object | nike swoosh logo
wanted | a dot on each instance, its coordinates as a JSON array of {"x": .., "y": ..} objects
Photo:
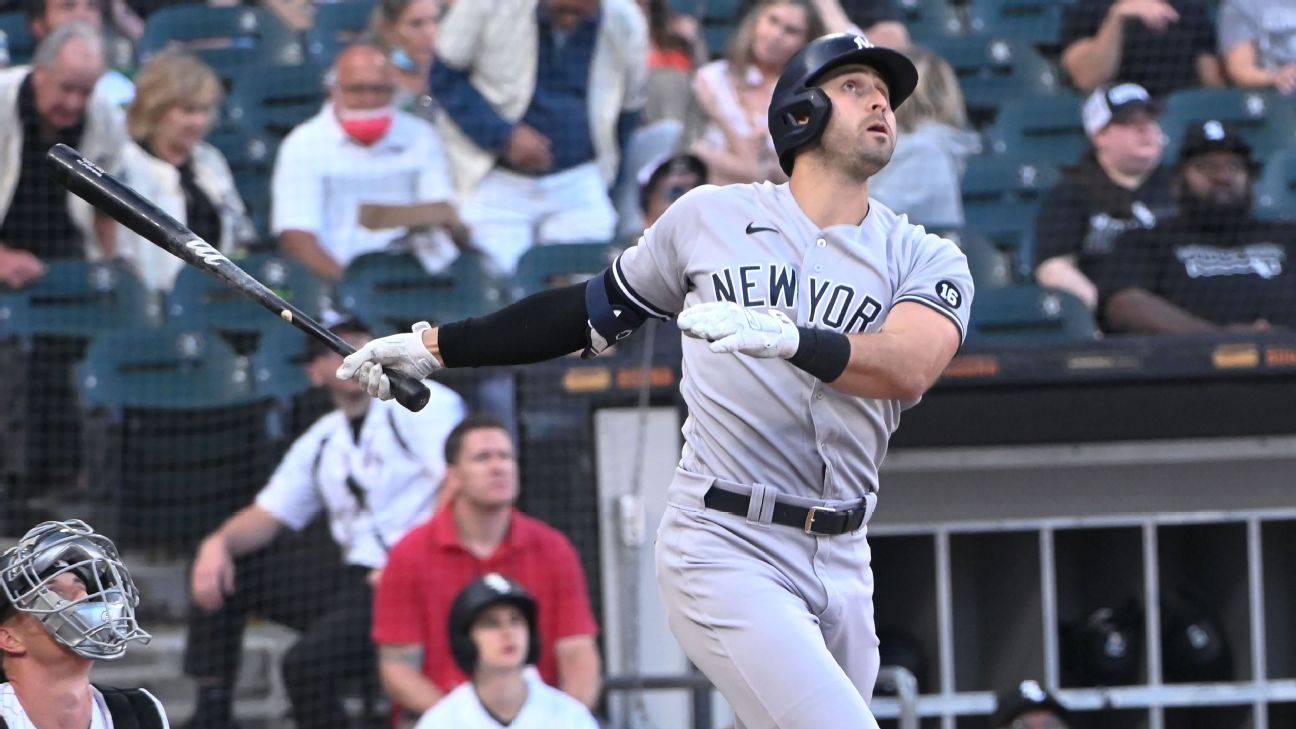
[{"x": 752, "y": 228}]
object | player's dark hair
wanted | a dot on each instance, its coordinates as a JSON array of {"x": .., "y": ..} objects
[{"x": 475, "y": 421}]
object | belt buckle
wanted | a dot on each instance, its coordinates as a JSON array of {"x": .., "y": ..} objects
[{"x": 810, "y": 516}]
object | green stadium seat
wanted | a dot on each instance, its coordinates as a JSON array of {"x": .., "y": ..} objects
[
  {"x": 1048, "y": 129},
  {"x": 1265, "y": 119},
  {"x": 1038, "y": 22},
  {"x": 1025, "y": 313},
  {"x": 278, "y": 372},
  {"x": 1001, "y": 195},
  {"x": 77, "y": 300},
  {"x": 993, "y": 70},
  {"x": 718, "y": 20},
  {"x": 228, "y": 38},
  {"x": 270, "y": 102},
  {"x": 392, "y": 291},
  {"x": 199, "y": 300},
  {"x": 544, "y": 267},
  {"x": 1275, "y": 192},
  {"x": 989, "y": 266},
  {"x": 18, "y": 43},
  {"x": 926, "y": 19},
  {"x": 337, "y": 25},
  {"x": 251, "y": 158}
]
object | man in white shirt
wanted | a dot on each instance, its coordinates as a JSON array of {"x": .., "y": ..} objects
[
  {"x": 494, "y": 639},
  {"x": 375, "y": 470},
  {"x": 361, "y": 176},
  {"x": 66, "y": 601}
]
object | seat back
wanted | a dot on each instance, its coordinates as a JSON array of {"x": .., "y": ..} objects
[
  {"x": 1026, "y": 313},
  {"x": 76, "y": 299},
  {"x": 1048, "y": 129},
  {"x": 270, "y": 102},
  {"x": 166, "y": 368},
  {"x": 926, "y": 19},
  {"x": 544, "y": 267},
  {"x": 1001, "y": 197},
  {"x": 1264, "y": 119},
  {"x": 391, "y": 291},
  {"x": 337, "y": 25},
  {"x": 1038, "y": 22},
  {"x": 1275, "y": 193},
  {"x": 16, "y": 42},
  {"x": 227, "y": 38},
  {"x": 251, "y": 158},
  {"x": 992, "y": 70}
]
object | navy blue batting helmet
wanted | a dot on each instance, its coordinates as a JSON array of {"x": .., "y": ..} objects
[
  {"x": 799, "y": 111},
  {"x": 484, "y": 592}
]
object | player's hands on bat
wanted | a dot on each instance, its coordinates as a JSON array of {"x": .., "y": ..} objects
[
  {"x": 404, "y": 353},
  {"x": 213, "y": 575},
  {"x": 731, "y": 328}
]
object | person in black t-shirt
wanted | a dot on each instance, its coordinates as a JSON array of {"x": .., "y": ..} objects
[
  {"x": 1212, "y": 266},
  {"x": 1163, "y": 45},
  {"x": 1119, "y": 184}
]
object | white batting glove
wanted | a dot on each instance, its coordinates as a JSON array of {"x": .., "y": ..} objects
[
  {"x": 403, "y": 353},
  {"x": 731, "y": 328}
]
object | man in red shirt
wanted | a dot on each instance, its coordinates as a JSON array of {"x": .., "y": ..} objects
[{"x": 476, "y": 532}]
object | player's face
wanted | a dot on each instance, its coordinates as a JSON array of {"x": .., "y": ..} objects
[
  {"x": 63, "y": 89},
  {"x": 1218, "y": 178},
  {"x": 416, "y": 30},
  {"x": 1133, "y": 145},
  {"x": 24, "y": 634},
  {"x": 348, "y": 395},
  {"x": 500, "y": 634},
  {"x": 183, "y": 125},
  {"x": 485, "y": 474},
  {"x": 861, "y": 133},
  {"x": 779, "y": 33},
  {"x": 58, "y": 12}
]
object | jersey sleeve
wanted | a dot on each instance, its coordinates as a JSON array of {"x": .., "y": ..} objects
[
  {"x": 397, "y": 615},
  {"x": 937, "y": 277},
  {"x": 291, "y": 495},
  {"x": 651, "y": 273}
]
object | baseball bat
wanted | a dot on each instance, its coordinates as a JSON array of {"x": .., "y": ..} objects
[{"x": 116, "y": 199}]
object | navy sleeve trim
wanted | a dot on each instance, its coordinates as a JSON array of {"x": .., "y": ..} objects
[
  {"x": 938, "y": 307},
  {"x": 633, "y": 297}
]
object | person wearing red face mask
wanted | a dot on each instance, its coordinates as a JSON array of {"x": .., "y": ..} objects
[{"x": 362, "y": 176}]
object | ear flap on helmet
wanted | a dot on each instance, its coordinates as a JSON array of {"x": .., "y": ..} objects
[{"x": 796, "y": 121}]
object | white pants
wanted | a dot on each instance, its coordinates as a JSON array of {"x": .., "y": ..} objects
[
  {"x": 780, "y": 621},
  {"x": 509, "y": 213}
]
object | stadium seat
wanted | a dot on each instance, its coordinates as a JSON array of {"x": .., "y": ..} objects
[
  {"x": 1275, "y": 193},
  {"x": 251, "y": 159},
  {"x": 269, "y": 102},
  {"x": 992, "y": 71},
  {"x": 1001, "y": 195},
  {"x": 18, "y": 44},
  {"x": 989, "y": 265},
  {"x": 1025, "y": 313},
  {"x": 75, "y": 299},
  {"x": 1038, "y": 22},
  {"x": 1265, "y": 119},
  {"x": 337, "y": 25},
  {"x": 544, "y": 267},
  {"x": 718, "y": 20},
  {"x": 392, "y": 291},
  {"x": 927, "y": 19},
  {"x": 227, "y": 38},
  {"x": 278, "y": 372},
  {"x": 175, "y": 436},
  {"x": 1048, "y": 129}
]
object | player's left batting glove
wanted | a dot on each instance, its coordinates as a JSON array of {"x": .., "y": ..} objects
[
  {"x": 732, "y": 328},
  {"x": 401, "y": 352}
]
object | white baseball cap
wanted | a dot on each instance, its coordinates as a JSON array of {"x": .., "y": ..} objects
[{"x": 1109, "y": 104}]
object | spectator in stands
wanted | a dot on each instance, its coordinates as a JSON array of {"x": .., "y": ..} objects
[
  {"x": 881, "y": 20},
  {"x": 1119, "y": 184},
  {"x": 494, "y": 637},
  {"x": 1162, "y": 45},
  {"x": 374, "y": 469},
  {"x": 1028, "y": 706},
  {"x": 168, "y": 163},
  {"x": 1257, "y": 40},
  {"x": 663, "y": 181},
  {"x": 407, "y": 31},
  {"x": 675, "y": 49},
  {"x": 480, "y": 531},
  {"x": 52, "y": 102},
  {"x": 1212, "y": 266},
  {"x": 361, "y": 176},
  {"x": 925, "y": 176},
  {"x": 541, "y": 97},
  {"x": 44, "y": 16}
]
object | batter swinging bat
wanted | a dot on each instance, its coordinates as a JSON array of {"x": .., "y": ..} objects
[{"x": 85, "y": 180}]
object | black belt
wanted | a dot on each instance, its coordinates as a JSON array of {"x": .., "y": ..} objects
[{"x": 811, "y": 519}]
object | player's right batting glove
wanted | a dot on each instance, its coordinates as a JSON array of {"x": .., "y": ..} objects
[
  {"x": 731, "y": 328},
  {"x": 401, "y": 352}
]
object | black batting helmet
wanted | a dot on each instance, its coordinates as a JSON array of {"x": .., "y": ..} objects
[
  {"x": 484, "y": 592},
  {"x": 799, "y": 111}
]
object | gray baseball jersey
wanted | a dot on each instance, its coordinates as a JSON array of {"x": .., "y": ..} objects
[{"x": 762, "y": 420}]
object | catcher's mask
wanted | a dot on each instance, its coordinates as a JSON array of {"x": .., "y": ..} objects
[{"x": 97, "y": 624}]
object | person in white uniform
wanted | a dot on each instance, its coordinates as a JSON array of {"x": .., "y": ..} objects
[
  {"x": 67, "y": 601},
  {"x": 494, "y": 640},
  {"x": 375, "y": 470}
]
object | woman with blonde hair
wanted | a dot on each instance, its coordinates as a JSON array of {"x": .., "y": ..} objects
[
  {"x": 176, "y": 98},
  {"x": 925, "y": 176}
]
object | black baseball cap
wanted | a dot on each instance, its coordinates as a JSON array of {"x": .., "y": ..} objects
[
  {"x": 1116, "y": 104},
  {"x": 1213, "y": 135},
  {"x": 1025, "y": 697},
  {"x": 651, "y": 174},
  {"x": 339, "y": 322}
]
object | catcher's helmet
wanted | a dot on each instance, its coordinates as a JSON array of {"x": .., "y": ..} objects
[
  {"x": 799, "y": 111},
  {"x": 484, "y": 592},
  {"x": 96, "y": 625}
]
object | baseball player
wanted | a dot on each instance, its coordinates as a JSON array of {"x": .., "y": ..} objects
[
  {"x": 493, "y": 637},
  {"x": 812, "y": 317},
  {"x": 66, "y": 601}
]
